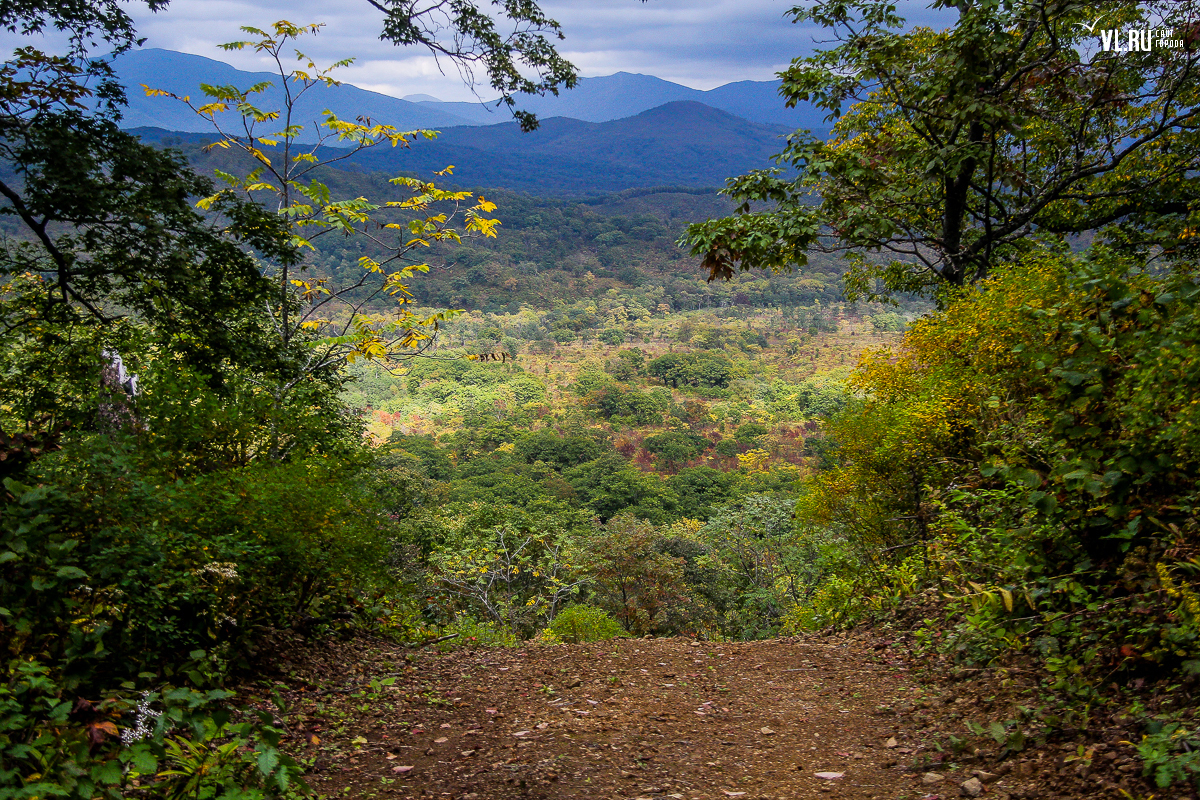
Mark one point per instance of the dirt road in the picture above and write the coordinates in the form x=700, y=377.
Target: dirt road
x=662, y=718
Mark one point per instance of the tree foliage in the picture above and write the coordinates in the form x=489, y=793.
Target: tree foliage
x=963, y=148
x=516, y=50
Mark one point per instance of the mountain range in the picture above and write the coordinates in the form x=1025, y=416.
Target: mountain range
x=593, y=100
x=609, y=134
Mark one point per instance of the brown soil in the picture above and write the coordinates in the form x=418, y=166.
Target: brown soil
x=666, y=718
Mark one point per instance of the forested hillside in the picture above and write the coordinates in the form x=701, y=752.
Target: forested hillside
x=682, y=143
x=302, y=458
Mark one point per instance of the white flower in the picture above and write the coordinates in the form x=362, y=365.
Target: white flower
x=143, y=716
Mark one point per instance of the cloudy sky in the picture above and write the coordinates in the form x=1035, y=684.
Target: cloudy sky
x=698, y=43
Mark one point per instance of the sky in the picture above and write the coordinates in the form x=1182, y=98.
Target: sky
x=698, y=43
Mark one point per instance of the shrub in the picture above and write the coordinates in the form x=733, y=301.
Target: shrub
x=472, y=634
x=612, y=336
x=749, y=432
x=577, y=624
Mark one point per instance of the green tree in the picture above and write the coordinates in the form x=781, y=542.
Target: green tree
x=677, y=447
x=323, y=324
x=610, y=485
x=961, y=148
x=640, y=584
x=702, y=490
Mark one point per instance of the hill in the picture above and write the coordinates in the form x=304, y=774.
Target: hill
x=624, y=95
x=600, y=99
x=679, y=144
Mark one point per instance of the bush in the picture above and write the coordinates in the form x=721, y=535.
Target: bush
x=749, y=432
x=612, y=336
x=472, y=634
x=578, y=624
x=114, y=577
x=674, y=448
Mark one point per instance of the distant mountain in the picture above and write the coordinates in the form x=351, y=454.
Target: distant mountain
x=625, y=94
x=682, y=143
x=182, y=74
x=593, y=100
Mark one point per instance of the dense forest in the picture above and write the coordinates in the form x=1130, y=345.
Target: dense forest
x=944, y=359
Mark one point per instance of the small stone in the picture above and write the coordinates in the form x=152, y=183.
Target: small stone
x=972, y=787
x=931, y=778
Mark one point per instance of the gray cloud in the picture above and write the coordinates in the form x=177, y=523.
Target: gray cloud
x=698, y=43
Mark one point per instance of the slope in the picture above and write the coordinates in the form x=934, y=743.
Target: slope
x=624, y=94
x=680, y=143
x=601, y=99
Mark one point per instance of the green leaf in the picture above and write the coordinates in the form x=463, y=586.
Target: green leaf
x=109, y=772
x=142, y=759
x=268, y=760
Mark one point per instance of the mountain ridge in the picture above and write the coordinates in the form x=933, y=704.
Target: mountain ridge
x=601, y=99
x=682, y=143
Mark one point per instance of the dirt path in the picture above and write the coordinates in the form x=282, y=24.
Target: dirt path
x=648, y=719
x=663, y=718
